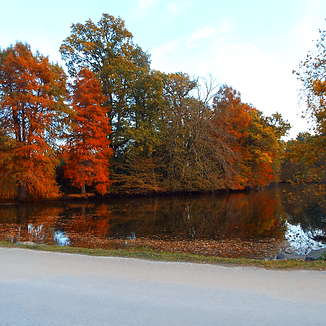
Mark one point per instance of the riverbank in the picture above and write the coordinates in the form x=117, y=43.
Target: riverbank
x=79, y=197
x=157, y=255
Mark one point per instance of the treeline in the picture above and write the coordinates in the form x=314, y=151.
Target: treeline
x=119, y=126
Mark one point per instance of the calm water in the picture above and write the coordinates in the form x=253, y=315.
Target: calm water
x=295, y=213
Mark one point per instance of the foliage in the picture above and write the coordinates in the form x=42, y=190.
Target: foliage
x=107, y=49
x=166, y=134
x=87, y=151
x=305, y=156
x=165, y=138
x=312, y=74
x=252, y=141
x=304, y=162
x=32, y=112
x=185, y=150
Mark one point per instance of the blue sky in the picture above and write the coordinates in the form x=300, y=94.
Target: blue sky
x=252, y=45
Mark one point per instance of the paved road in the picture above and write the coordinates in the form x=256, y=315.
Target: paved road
x=39, y=288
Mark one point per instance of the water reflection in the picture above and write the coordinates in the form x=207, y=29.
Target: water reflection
x=295, y=213
x=305, y=206
x=303, y=241
x=61, y=239
x=237, y=216
x=36, y=232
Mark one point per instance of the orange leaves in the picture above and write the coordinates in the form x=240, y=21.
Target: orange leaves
x=33, y=93
x=319, y=87
x=166, y=139
x=88, y=148
x=252, y=139
x=304, y=159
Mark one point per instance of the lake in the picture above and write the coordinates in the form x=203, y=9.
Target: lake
x=250, y=224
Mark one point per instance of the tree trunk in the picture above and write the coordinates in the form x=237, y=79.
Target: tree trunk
x=83, y=189
x=21, y=192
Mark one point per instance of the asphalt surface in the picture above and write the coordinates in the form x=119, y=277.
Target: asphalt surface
x=40, y=288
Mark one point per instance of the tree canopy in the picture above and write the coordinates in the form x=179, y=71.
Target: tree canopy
x=32, y=111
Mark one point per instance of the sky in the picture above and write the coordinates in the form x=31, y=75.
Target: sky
x=251, y=45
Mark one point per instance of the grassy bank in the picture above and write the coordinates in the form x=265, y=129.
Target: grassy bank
x=146, y=253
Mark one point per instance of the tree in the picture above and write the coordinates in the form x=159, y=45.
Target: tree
x=88, y=149
x=305, y=156
x=137, y=167
x=107, y=49
x=312, y=74
x=32, y=113
x=231, y=121
x=251, y=140
x=165, y=138
x=303, y=161
x=264, y=151
x=7, y=180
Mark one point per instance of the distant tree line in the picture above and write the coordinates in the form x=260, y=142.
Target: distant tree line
x=119, y=126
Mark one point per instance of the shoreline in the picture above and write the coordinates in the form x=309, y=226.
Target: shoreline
x=156, y=255
x=77, y=197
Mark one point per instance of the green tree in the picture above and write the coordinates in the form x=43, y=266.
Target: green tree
x=137, y=168
x=107, y=48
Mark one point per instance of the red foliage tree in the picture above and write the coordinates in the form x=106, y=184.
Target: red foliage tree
x=32, y=95
x=88, y=148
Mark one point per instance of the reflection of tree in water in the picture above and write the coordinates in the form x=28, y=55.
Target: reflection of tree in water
x=29, y=223
x=254, y=215
x=306, y=205
x=84, y=222
x=61, y=224
x=236, y=215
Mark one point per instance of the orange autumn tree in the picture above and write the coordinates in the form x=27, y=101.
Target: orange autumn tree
x=32, y=111
x=232, y=119
x=253, y=139
x=88, y=151
x=262, y=152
